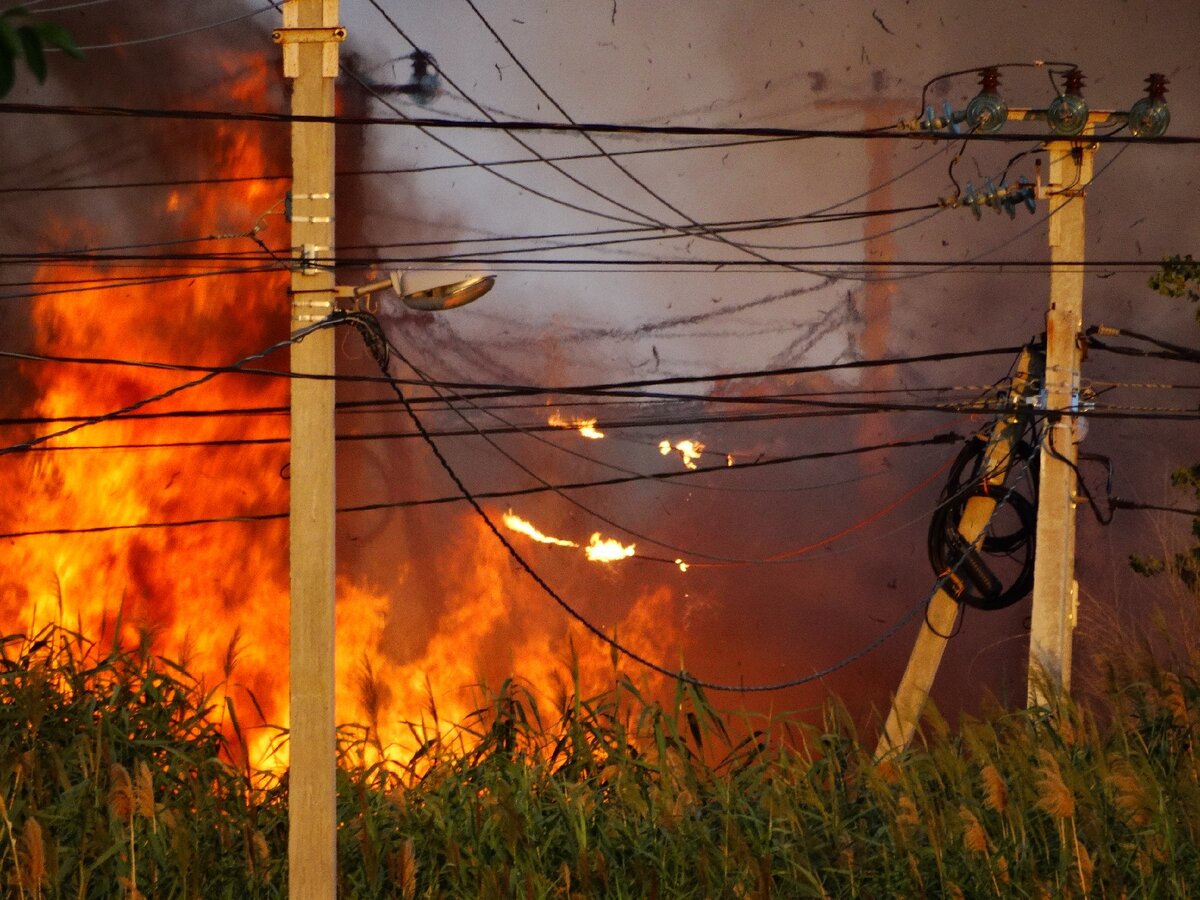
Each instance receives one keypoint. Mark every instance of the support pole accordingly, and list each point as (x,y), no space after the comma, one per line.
(310,37)
(1055,591)
(917,681)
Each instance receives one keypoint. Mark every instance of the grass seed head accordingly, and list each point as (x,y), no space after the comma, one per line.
(995,788)
(31,861)
(1056,798)
(143,791)
(120,792)
(974,837)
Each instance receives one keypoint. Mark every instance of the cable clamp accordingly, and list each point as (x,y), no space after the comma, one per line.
(291,38)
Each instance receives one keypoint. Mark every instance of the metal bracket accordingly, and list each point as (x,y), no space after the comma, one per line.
(291,37)
(351,299)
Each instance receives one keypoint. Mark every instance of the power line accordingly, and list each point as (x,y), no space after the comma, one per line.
(296,336)
(379,341)
(945,438)
(364,173)
(128,112)
(164,37)
(117,284)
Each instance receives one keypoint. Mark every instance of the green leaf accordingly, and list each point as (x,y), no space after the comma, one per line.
(9,44)
(32,46)
(57,36)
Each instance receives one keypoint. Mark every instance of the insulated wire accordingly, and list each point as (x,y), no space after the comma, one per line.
(295,337)
(571,500)
(612,642)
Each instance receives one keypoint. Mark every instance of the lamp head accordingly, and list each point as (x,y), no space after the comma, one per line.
(438,289)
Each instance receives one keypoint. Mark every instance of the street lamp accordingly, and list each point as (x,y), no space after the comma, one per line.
(429,290)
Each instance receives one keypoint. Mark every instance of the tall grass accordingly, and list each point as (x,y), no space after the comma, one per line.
(116,780)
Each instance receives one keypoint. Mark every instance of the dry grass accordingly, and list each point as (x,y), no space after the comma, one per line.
(115,782)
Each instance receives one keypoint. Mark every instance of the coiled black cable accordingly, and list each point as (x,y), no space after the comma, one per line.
(979,587)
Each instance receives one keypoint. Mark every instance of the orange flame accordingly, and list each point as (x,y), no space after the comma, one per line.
(586,427)
(523,526)
(689,451)
(607,549)
(214,597)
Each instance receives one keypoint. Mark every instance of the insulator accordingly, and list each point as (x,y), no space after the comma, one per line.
(424,84)
(987,112)
(973,200)
(1149,117)
(1068,112)
(1028,195)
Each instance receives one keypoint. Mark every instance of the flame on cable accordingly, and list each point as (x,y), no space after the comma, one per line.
(515,523)
(689,451)
(586,427)
(607,549)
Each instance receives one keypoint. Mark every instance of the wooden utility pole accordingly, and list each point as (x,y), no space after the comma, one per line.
(942,612)
(1055,590)
(310,37)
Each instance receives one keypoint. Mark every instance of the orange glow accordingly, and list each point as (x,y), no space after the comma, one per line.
(607,549)
(586,427)
(689,451)
(516,523)
(214,597)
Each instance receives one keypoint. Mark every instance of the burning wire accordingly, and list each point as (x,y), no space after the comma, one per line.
(680,676)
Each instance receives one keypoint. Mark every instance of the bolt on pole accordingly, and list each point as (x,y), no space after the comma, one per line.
(310,37)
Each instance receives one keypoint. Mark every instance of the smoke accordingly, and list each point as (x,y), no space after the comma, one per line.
(436,591)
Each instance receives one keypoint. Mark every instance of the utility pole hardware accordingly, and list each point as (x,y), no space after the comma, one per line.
(310,36)
(1055,590)
(943,611)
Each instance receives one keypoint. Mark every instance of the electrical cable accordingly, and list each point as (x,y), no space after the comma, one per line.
(363,173)
(944,438)
(539,156)
(860,134)
(140,282)
(591,511)
(363,323)
(163,37)
(639,182)
(1118,503)
(295,337)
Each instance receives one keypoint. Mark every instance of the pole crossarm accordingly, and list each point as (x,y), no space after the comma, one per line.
(917,681)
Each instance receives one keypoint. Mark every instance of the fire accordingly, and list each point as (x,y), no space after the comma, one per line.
(598,549)
(689,451)
(586,427)
(683,566)
(522,526)
(214,597)
(607,549)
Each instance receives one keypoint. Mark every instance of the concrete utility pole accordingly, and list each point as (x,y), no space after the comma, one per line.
(1055,590)
(310,37)
(913,692)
